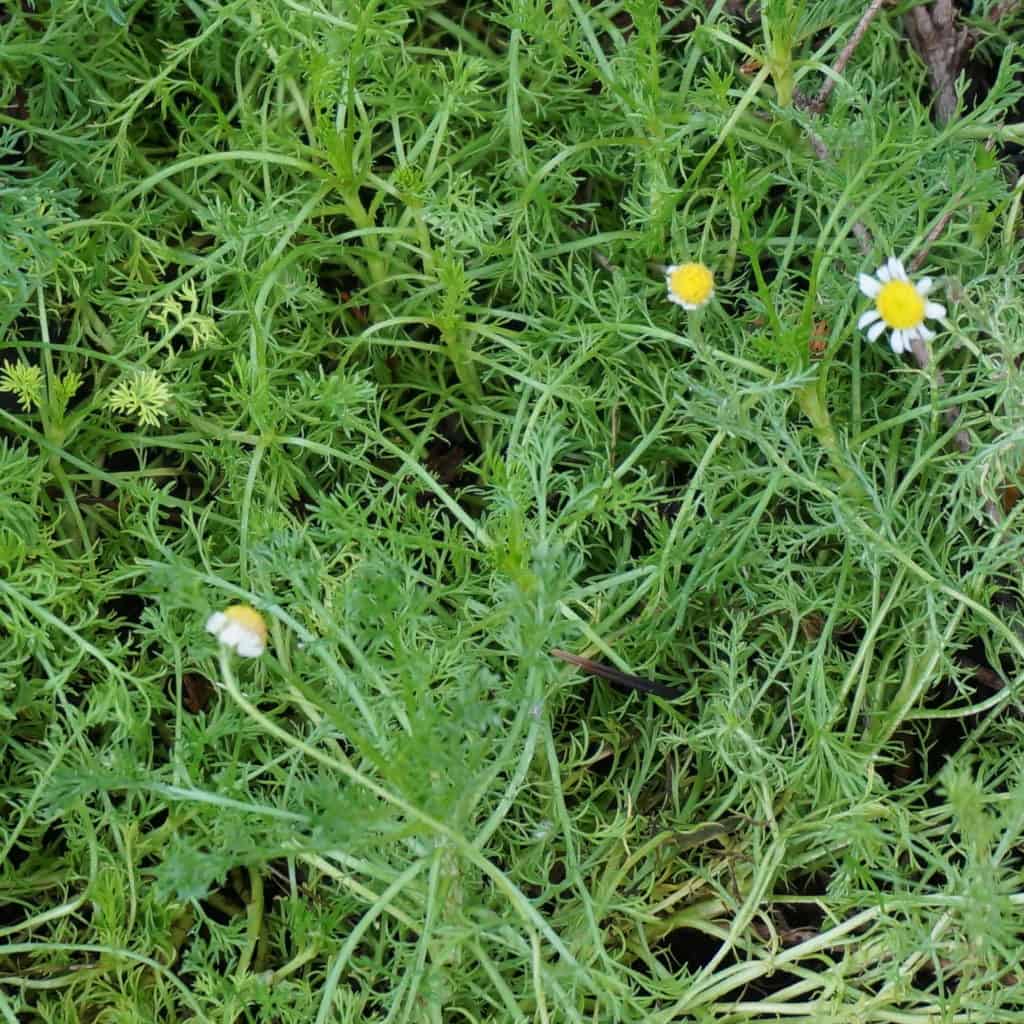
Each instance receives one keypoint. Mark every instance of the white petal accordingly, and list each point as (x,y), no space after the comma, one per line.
(924,286)
(868,285)
(669,271)
(249,645)
(883,273)
(900,342)
(672,297)
(924,333)
(934,310)
(876,331)
(216,622)
(229,633)
(236,636)
(868,318)
(896,269)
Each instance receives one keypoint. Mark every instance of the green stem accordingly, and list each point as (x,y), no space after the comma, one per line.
(782,76)
(812,403)
(459,345)
(423,235)
(361,218)
(51,413)
(696,326)
(254,923)
(460,352)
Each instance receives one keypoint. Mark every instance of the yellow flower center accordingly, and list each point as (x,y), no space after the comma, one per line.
(692,282)
(248,618)
(900,305)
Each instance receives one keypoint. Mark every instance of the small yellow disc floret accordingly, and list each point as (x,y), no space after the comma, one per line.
(248,618)
(693,283)
(900,305)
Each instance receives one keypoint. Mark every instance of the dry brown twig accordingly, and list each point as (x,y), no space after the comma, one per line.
(962,439)
(817,105)
(861,233)
(613,675)
(936,232)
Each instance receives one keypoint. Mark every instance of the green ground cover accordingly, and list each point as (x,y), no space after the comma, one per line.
(357,313)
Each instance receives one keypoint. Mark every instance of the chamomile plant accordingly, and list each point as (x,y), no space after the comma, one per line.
(343,380)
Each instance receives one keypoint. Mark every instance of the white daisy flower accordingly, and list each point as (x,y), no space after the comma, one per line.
(241,628)
(900,304)
(690,285)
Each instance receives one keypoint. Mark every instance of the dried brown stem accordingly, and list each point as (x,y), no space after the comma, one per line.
(961,439)
(613,675)
(817,105)
(821,152)
(922,356)
(598,257)
(933,236)
(986,676)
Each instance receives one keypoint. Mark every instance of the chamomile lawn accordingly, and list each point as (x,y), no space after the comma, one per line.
(341,384)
